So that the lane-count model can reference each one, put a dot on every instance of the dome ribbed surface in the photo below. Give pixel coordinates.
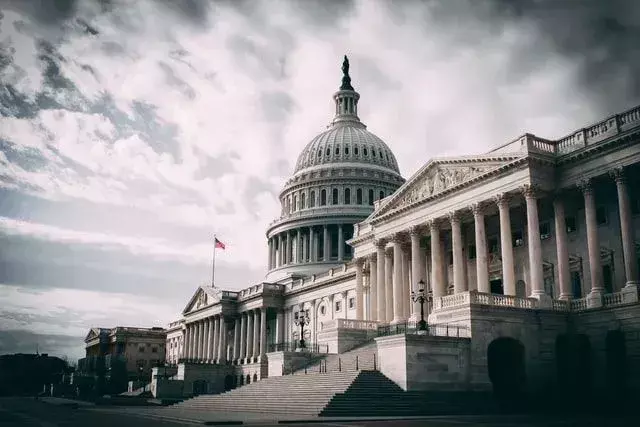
(346, 143)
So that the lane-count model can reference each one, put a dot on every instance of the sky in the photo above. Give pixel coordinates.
(132, 131)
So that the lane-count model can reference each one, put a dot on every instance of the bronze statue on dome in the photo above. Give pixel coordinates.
(346, 80)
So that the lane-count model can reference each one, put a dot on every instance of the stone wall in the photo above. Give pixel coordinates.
(213, 375)
(341, 340)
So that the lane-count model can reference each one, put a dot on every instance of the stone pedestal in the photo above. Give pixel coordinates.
(631, 292)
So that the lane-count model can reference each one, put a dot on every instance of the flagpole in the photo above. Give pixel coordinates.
(213, 268)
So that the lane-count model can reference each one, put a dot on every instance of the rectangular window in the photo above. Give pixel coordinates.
(471, 249)
(338, 306)
(517, 239)
(154, 350)
(545, 230)
(570, 222)
(601, 215)
(352, 302)
(141, 349)
(494, 247)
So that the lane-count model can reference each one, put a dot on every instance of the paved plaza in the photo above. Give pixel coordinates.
(29, 412)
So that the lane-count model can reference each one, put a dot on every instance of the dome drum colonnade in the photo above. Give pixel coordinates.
(390, 286)
(338, 177)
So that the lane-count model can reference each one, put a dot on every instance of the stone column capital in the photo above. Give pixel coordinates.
(372, 257)
(380, 243)
(454, 217)
(585, 185)
(397, 238)
(433, 224)
(479, 208)
(416, 231)
(359, 262)
(502, 200)
(530, 191)
(618, 174)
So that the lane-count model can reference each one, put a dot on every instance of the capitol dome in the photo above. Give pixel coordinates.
(338, 177)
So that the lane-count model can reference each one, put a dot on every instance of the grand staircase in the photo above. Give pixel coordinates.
(357, 359)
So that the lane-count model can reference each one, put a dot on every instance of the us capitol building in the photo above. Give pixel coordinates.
(526, 256)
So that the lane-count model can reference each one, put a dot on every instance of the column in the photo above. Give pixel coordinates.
(312, 246)
(243, 336)
(314, 318)
(250, 322)
(373, 288)
(207, 339)
(381, 315)
(593, 241)
(270, 255)
(305, 248)
(280, 327)
(236, 339)
(287, 249)
(397, 279)
(406, 281)
(216, 340)
(280, 250)
(388, 271)
(326, 252)
(263, 332)
(198, 346)
(459, 282)
(222, 341)
(256, 332)
(359, 291)
(506, 245)
(626, 229)
(340, 243)
(438, 284)
(185, 347)
(562, 253)
(299, 247)
(482, 258)
(535, 246)
(416, 267)
(192, 341)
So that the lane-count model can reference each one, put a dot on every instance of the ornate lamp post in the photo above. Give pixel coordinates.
(420, 297)
(301, 319)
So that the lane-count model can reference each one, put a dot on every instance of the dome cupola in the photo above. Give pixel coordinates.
(337, 178)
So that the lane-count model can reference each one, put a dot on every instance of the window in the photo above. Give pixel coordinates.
(370, 197)
(323, 197)
(352, 302)
(140, 349)
(471, 249)
(303, 201)
(545, 231)
(319, 153)
(337, 150)
(494, 248)
(373, 152)
(154, 349)
(312, 199)
(570, 222)
(328, 151)
(347, 196)
(323, 310)
(334, 196)
(576, 284)
(338, 306)
(607, 275)
(346, 150)
(295, 203)
(381, 194)
(364, 150)
(517, 239)
(355, 150)
(359, 196)
(601, 215)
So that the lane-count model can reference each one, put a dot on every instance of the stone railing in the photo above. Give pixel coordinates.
(324, 210)
(258, 290)
(369, 325)
(499, 300)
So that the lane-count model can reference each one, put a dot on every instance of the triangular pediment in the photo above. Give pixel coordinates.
(93, 334)
(440, 176)
(203, 297)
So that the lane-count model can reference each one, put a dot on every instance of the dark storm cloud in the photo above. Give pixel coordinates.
(39, 264)
(22, 341)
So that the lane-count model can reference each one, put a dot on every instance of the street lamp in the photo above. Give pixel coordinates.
(420, 297)
(301, 319)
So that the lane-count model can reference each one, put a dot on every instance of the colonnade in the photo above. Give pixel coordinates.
(206, 340)
(395, 270)
(302, 245)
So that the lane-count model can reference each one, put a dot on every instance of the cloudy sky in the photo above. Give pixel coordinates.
(131, 131)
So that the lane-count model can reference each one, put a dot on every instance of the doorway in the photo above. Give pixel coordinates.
(506, 364)
(496, 286)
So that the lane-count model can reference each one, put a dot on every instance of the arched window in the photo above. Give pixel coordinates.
(303, 200)
(370, 197)
(323, 197)
(334, 196)
(373, 152)
(347, 196)
(381, 194)
(355, 150)
(328, 151)
(295, 203)
(337, 150)
(312, 199)
(365, 151)
(359, 196)
(319, 153)
(346, 150)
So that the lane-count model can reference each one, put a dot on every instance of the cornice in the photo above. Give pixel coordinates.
(617, 140)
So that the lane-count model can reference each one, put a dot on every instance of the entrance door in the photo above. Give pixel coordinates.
(505, 360)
